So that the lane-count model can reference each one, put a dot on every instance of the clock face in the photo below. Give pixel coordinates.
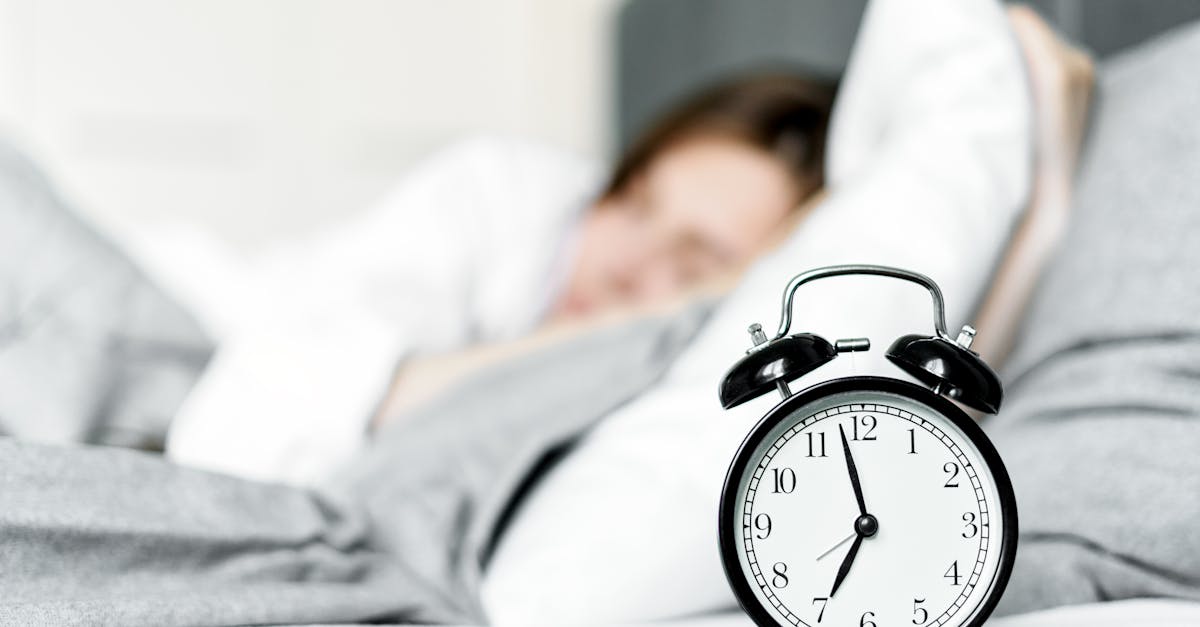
(923, 539)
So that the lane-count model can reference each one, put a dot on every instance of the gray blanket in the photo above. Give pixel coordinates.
(103, 536)
(90, 349)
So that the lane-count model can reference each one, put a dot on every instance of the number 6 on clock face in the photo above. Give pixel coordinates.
(867, 501)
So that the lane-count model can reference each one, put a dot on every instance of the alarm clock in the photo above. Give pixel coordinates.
(867, 501)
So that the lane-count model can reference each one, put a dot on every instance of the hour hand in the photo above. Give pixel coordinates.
(844, 569)
(858, 494)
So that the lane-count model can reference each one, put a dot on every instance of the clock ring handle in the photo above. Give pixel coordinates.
(789, 292)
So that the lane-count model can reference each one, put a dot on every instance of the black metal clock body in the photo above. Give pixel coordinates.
(847, 500)
(734, 526)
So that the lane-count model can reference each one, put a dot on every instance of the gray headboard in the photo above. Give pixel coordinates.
(668, 48)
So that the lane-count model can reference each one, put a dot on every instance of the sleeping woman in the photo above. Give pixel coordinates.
(495, 239)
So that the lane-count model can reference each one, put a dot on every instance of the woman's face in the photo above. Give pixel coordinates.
(700, 209)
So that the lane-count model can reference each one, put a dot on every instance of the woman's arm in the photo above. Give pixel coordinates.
(929, 172)
(1061, 78)
(459, 252)
(421, 379)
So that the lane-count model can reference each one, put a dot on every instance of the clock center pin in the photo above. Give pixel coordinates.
(866, 525)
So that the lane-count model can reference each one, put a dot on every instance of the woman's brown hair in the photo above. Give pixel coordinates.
(784, 114)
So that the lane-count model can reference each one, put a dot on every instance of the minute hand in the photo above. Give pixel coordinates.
(858, 494)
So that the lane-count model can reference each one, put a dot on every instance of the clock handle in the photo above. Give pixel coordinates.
(789, 292)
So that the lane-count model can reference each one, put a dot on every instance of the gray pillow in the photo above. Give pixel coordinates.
(90, 350)
(1101, 431)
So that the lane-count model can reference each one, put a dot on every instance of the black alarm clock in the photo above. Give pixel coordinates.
(867, 501)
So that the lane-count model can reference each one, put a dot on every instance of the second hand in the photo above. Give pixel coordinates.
(834, 547)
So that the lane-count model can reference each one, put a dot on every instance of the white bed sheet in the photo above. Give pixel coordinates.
(1131, 613)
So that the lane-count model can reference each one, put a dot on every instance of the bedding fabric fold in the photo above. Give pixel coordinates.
(108, 536)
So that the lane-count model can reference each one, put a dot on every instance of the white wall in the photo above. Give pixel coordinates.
(257, 118)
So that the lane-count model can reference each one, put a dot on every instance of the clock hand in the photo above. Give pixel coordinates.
(844, 569)
(865, 525)
(834, 547)
(862, 505)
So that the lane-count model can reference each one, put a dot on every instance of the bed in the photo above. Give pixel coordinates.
(667, 37)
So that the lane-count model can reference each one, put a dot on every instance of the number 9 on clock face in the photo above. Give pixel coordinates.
(868, 502)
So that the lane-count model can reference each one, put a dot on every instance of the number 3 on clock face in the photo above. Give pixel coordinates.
(871, 502)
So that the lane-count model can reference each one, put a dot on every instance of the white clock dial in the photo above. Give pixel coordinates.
(926, 550)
